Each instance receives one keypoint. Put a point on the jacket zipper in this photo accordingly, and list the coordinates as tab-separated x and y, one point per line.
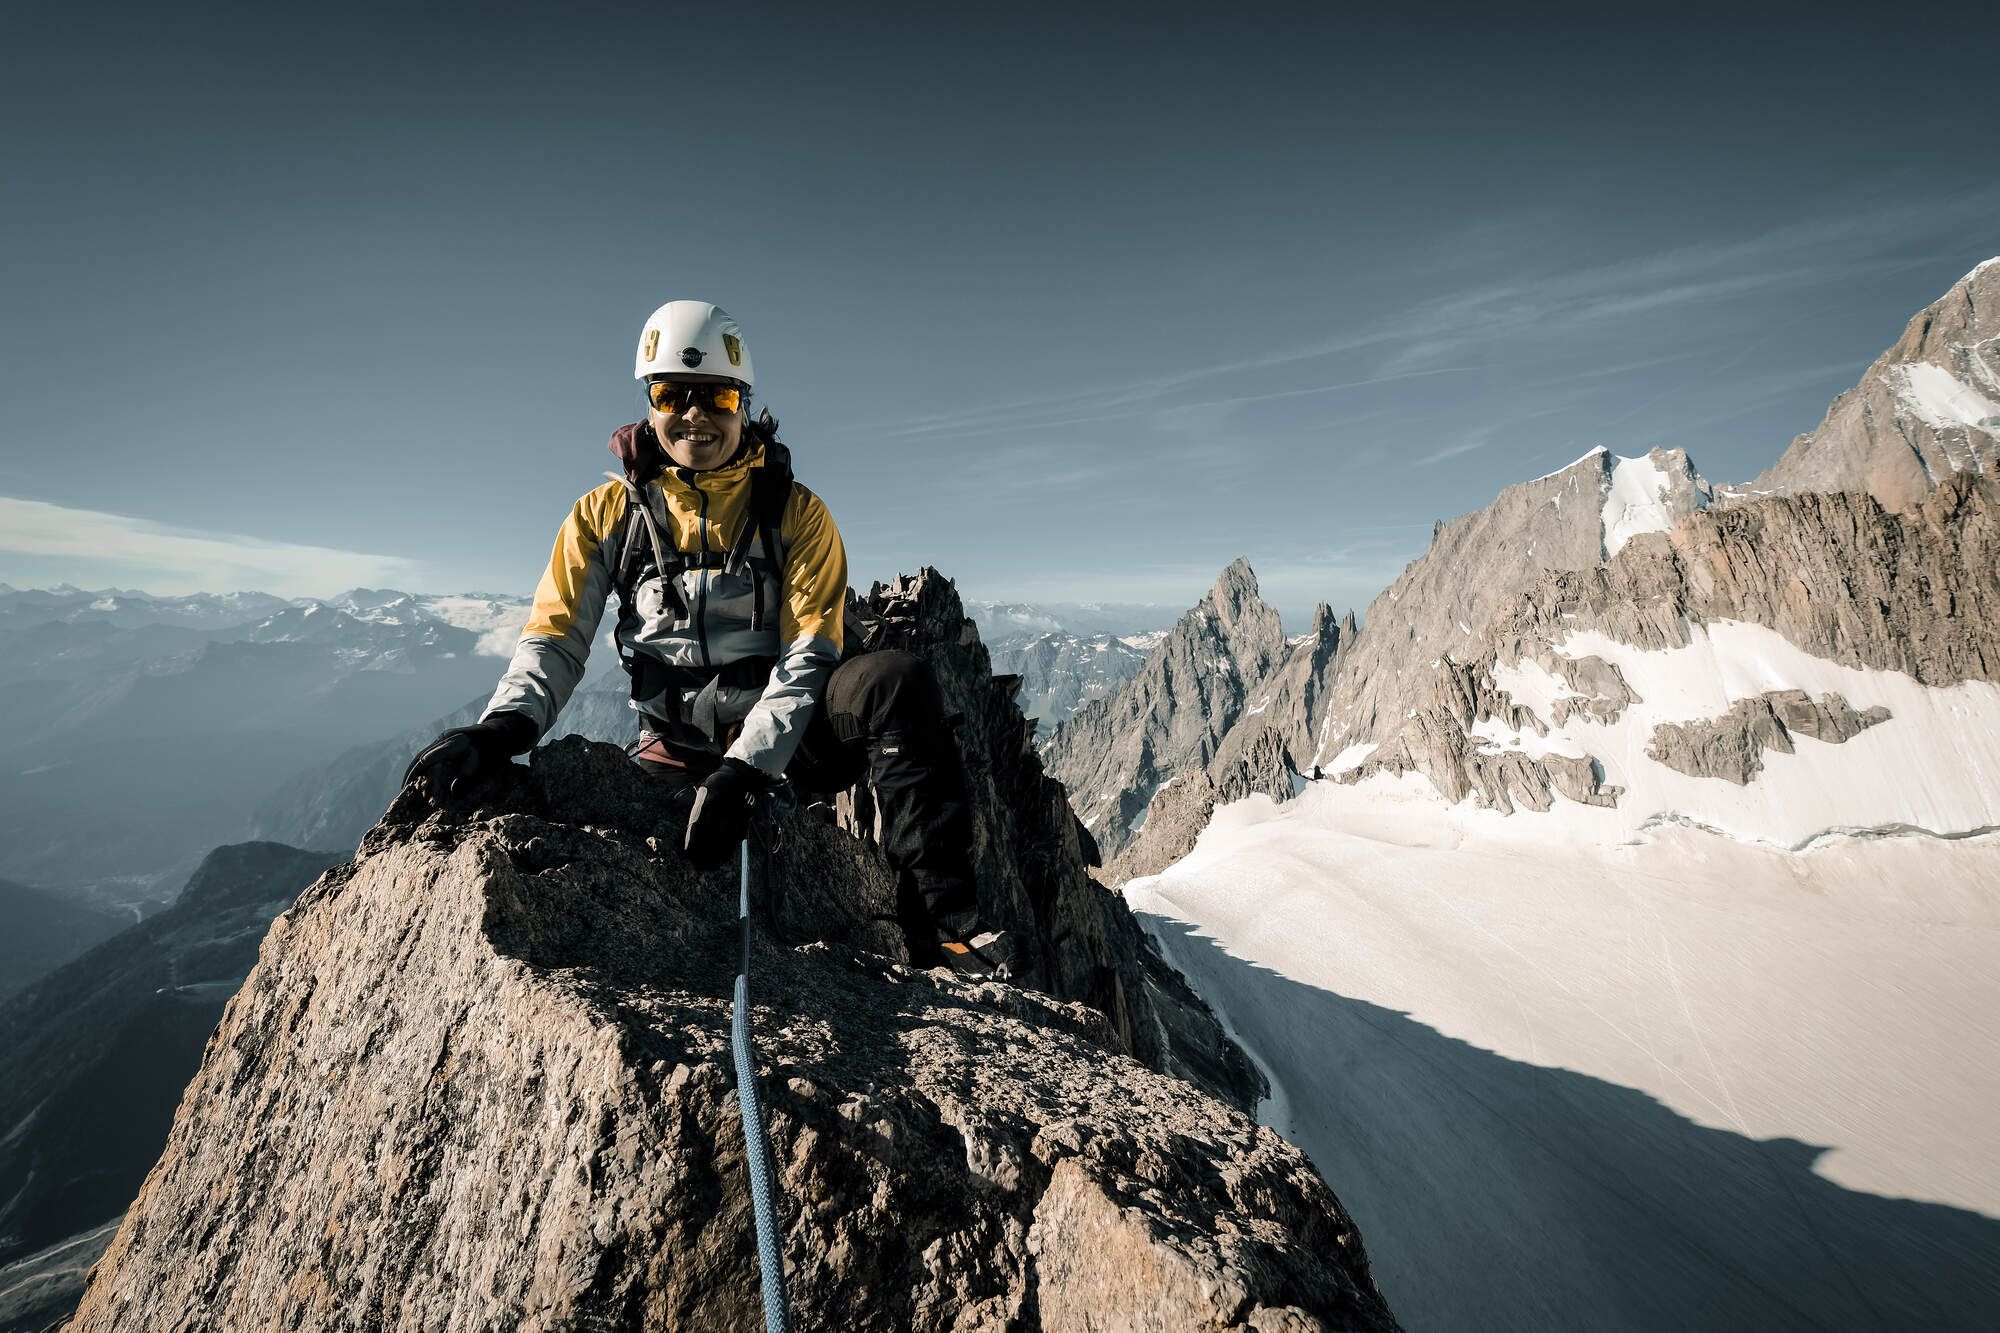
701	578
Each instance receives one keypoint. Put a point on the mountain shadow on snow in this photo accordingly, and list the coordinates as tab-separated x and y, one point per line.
1463	1163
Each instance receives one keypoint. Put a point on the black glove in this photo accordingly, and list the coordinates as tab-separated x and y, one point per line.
721	813
453	763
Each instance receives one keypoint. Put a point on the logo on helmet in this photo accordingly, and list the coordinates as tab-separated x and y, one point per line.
734	346
691	357
652	344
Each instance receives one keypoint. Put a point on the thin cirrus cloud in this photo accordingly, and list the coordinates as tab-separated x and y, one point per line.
91	547
1471	441
1864	238
1132	403
1809	252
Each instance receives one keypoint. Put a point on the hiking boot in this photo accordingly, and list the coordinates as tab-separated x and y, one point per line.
982	953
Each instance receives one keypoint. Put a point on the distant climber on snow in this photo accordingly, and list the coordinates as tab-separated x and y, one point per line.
731	580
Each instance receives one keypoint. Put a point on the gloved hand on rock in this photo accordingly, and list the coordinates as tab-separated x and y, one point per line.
453	764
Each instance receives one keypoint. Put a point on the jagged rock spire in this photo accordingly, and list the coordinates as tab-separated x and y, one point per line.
1114	753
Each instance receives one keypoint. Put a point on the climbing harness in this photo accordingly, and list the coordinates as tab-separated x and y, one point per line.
757	1145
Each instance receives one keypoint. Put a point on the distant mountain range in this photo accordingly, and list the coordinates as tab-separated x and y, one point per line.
1005	622
151	729
1061	671
147	728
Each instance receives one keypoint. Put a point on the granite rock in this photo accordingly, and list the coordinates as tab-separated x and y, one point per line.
480	1078
1732	746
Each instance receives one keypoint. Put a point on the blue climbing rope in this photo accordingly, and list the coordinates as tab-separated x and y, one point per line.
757	1145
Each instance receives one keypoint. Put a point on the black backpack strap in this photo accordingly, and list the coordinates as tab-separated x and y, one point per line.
770	492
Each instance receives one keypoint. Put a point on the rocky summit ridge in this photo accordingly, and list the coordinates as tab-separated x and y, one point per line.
479	1078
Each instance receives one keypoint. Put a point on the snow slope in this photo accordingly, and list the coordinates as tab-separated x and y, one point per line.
1634	502
1934	765
1943	399
1569	1078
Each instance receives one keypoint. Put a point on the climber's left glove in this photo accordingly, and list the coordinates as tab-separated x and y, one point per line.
721	815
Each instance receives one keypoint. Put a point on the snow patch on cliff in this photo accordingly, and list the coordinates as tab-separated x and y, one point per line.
1635	501
1942	399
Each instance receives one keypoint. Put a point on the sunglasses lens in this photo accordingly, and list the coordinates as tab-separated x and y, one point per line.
671	398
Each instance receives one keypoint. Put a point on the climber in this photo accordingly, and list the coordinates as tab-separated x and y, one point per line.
731	580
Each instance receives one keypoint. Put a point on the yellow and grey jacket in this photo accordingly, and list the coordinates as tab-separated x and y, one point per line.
697	642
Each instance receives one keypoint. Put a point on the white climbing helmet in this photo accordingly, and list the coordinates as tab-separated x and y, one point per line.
693	339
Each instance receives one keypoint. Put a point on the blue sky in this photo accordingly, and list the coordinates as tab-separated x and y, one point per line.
1072	304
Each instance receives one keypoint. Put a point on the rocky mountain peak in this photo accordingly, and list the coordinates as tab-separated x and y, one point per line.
1235	587
1114	753
480	1078
1928	408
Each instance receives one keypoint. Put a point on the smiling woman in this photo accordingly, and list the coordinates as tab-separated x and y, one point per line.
731	586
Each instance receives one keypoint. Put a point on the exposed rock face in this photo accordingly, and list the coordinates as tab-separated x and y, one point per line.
1841	576
1032	859
1256	754
93	1056
1113	754
1928	409
1284	705
1445	606
1732	746
479	1078
1060	672
1438	739
1179	810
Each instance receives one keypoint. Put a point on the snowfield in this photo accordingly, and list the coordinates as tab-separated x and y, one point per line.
1934	765
1570	1075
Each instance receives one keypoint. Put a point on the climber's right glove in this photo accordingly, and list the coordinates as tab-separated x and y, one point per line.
453	764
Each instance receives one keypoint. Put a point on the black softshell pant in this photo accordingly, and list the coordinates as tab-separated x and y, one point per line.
882	718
